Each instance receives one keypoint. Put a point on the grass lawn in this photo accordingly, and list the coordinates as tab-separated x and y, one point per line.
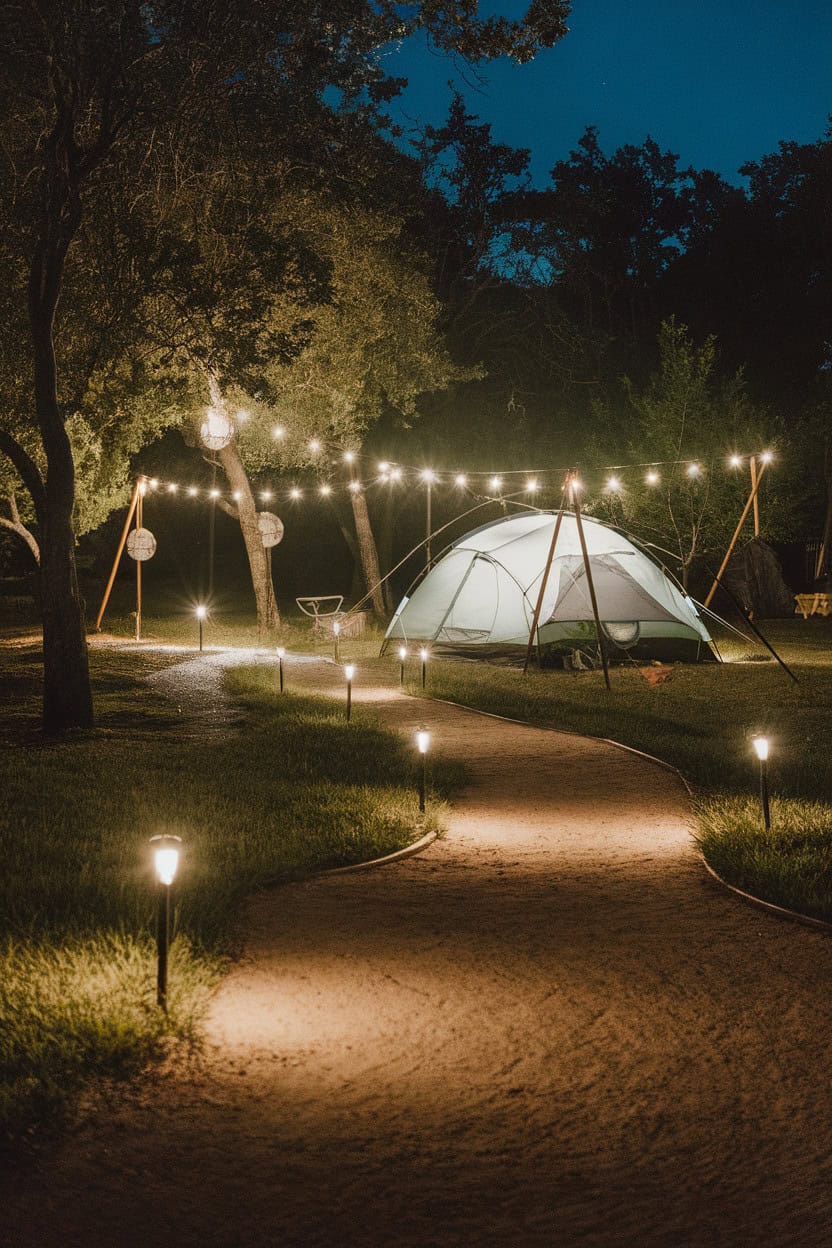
296	790
701	720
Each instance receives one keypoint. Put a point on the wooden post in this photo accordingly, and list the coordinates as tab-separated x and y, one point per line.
598	629
534	631
133	502
755	482
752	497
139	523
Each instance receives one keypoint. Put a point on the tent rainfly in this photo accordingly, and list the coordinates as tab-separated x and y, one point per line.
479	597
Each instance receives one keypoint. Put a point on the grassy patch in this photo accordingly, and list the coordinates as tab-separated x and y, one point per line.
701	720
294	791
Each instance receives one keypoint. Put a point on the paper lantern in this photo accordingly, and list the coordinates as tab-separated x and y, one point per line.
216	430
271	528
141	545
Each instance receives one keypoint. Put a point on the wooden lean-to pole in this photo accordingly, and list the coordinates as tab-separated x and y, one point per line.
752	498
133	501
139	522
534	631
599	631
755	481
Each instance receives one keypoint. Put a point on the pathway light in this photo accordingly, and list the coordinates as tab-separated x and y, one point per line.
166	851
423	744
349	672
761	750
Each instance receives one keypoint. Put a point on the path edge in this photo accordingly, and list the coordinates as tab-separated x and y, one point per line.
807	920
397	855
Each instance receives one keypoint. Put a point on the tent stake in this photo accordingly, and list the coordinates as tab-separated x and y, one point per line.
535	630
126	530
752	498
601	646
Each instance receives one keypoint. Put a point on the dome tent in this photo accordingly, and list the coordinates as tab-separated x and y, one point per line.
479	597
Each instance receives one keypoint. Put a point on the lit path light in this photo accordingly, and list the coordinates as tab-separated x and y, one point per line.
761	750
201	615
423	655
349	672
166	862
423	744
402	657
281	654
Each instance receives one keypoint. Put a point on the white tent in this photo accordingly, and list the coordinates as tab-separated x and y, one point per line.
480	596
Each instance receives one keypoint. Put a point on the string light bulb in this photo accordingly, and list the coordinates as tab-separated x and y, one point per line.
326	489
395	474
349	458
461	480
355	486
142	487
766	457
495	484
213	493
172	487
428	476
314	445
613	484
295	492
532	486
266	496
192	491
384	466
237	495
693	470
154	483
735	461
242	416
278	432
651	477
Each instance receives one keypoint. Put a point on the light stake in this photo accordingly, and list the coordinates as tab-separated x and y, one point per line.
402	657
166	861
336	637
349	672
423	655
201	614
280	655
423	742
761	749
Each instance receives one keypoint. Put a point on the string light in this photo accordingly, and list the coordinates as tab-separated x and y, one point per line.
735	461
326	489
355	486
766	457
314	446
278	432
213	493
613	484
395	474
237	495
295	492
427	475
142	487
266	496
384	466
496	484
693	470
532	486
242	416
192	491
172	487
154	483
349	458
651	477
461	480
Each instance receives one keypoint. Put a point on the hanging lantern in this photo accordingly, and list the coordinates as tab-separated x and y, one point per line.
271	528
141	545
216	430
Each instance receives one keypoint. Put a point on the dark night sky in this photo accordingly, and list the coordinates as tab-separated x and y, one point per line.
719	82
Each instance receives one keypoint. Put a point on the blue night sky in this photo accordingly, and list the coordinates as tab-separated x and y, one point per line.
719	82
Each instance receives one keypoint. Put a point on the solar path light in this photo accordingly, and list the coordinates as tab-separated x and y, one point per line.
402	657
423	655
201	615
761	750
281	654
349	672
165	861
423	742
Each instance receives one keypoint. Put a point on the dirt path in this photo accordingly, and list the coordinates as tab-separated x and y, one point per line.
552	1028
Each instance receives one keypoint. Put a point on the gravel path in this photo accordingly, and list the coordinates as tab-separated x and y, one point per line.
551	1028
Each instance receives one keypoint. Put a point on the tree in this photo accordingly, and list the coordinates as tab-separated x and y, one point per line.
88	91
685	422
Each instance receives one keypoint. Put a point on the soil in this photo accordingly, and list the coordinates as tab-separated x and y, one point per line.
550	1028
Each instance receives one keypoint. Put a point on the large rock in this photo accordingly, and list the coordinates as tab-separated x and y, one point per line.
755	578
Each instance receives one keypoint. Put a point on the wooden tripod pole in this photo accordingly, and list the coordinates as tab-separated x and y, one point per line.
755	481
139	522
599	631
752	498
534	631
133	502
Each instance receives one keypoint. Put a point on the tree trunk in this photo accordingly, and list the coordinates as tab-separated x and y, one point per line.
67	695
367	551
268	616
385	548
15	525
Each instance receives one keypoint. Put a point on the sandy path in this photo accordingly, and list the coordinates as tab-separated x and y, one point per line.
552	1028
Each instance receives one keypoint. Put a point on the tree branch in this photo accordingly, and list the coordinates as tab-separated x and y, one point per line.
28	469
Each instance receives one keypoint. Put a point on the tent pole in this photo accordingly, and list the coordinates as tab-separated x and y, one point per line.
756	630
534	630
601	645
119	552
752	498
